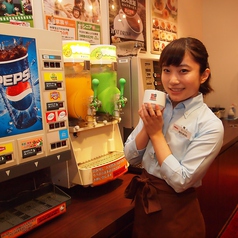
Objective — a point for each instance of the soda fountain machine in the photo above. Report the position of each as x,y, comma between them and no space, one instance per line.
34,126
95,104
33,108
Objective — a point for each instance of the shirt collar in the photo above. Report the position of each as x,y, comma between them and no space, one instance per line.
190,104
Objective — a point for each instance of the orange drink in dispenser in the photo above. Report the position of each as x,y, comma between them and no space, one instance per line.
77,77
103,67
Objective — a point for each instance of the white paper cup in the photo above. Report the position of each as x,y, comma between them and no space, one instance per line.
154,97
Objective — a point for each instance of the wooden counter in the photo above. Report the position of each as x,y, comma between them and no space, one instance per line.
230,134
100,211
218,195
104,212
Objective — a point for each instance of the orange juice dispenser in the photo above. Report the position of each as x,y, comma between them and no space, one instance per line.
97,147
78,79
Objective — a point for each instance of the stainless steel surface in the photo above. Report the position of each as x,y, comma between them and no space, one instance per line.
140,74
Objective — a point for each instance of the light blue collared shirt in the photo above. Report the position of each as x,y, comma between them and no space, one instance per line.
195,136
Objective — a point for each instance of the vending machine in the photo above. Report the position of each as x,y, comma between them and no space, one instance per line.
33,106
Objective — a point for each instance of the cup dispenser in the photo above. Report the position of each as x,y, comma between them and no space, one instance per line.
94,113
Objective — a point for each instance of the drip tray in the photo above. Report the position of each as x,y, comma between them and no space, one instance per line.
31,209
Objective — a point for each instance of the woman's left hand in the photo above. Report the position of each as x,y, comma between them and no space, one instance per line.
152,119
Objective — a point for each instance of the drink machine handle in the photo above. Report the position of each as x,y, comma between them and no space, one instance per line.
95,104
122,100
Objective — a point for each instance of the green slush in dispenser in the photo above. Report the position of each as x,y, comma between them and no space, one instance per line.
103,60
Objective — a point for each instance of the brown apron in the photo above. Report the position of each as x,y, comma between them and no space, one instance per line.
161,212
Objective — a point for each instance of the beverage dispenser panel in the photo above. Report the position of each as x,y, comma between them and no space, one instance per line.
33,108
151,73
54,100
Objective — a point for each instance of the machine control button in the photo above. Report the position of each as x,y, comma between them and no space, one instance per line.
59,85
2,159
51,85
64,143
8,157
57,65
52,106
29,152
52,126
52,64
46,64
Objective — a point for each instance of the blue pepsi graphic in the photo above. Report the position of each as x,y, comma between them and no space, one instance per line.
20,107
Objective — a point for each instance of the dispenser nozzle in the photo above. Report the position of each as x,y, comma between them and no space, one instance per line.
95,104
95,83
122,99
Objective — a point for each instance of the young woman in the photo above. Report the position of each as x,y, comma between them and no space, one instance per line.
176,146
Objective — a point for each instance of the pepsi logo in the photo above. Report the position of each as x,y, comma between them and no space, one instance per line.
20,96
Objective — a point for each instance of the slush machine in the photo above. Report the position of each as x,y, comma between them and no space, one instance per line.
94,104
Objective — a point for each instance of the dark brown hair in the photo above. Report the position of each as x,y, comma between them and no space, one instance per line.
174,52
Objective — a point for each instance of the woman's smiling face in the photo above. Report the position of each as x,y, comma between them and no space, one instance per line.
183,81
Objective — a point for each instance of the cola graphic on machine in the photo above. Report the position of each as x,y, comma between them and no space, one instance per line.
20,108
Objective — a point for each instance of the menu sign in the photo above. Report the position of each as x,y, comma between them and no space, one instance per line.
164,23
16,12
127,21
75,19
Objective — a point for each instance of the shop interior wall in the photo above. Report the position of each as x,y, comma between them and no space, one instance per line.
215,23
220,34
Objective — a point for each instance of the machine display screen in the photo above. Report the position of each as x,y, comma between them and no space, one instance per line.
20,103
